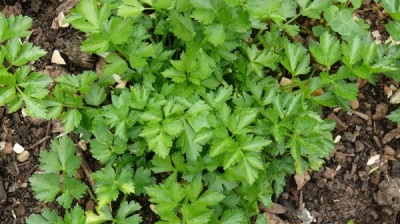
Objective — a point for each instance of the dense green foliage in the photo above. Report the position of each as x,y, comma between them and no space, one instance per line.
189,96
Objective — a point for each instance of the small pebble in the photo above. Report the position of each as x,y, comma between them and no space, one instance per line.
23,156
18,148
380,111
329,173
8,149
340,158
389,150
395,98
321,182
348,136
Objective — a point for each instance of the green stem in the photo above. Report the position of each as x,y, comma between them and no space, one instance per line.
292,19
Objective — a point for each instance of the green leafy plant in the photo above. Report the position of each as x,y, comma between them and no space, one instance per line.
58,178
19,86
187,109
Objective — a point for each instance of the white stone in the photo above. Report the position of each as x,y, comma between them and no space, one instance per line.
17,148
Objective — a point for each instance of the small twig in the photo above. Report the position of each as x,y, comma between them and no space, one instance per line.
361,115
47,134
39,142
85,167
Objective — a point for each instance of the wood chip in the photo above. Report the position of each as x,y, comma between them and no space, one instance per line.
57,59
3,194
340,125
361,115
395,133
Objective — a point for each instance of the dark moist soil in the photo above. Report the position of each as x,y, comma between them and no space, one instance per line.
344,188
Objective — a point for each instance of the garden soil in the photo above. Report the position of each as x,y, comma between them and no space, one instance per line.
360,180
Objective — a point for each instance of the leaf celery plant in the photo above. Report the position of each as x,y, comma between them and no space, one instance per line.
201,103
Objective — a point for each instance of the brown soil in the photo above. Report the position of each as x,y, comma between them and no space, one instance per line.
345,188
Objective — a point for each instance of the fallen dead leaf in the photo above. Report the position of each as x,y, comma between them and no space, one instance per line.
301,179
58,22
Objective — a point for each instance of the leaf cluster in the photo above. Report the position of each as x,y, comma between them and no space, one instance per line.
189,93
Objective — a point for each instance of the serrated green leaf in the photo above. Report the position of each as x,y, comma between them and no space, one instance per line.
87,16
109,183
34,107
46,186
393,27
297,60
61,157
167,196
210,198
118,30
193,214
71,119
75,216
219,146
27,53
47,216
253,144
277,10
216,34
327,51
96,44
142,179
352,51
72,188
96,95
342,21
232,216
346,90
190,147
130,9
313,9
6,95
205,16
124,214
392,7
103,216
394,116
183,26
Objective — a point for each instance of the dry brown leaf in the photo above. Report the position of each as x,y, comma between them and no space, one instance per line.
301,179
